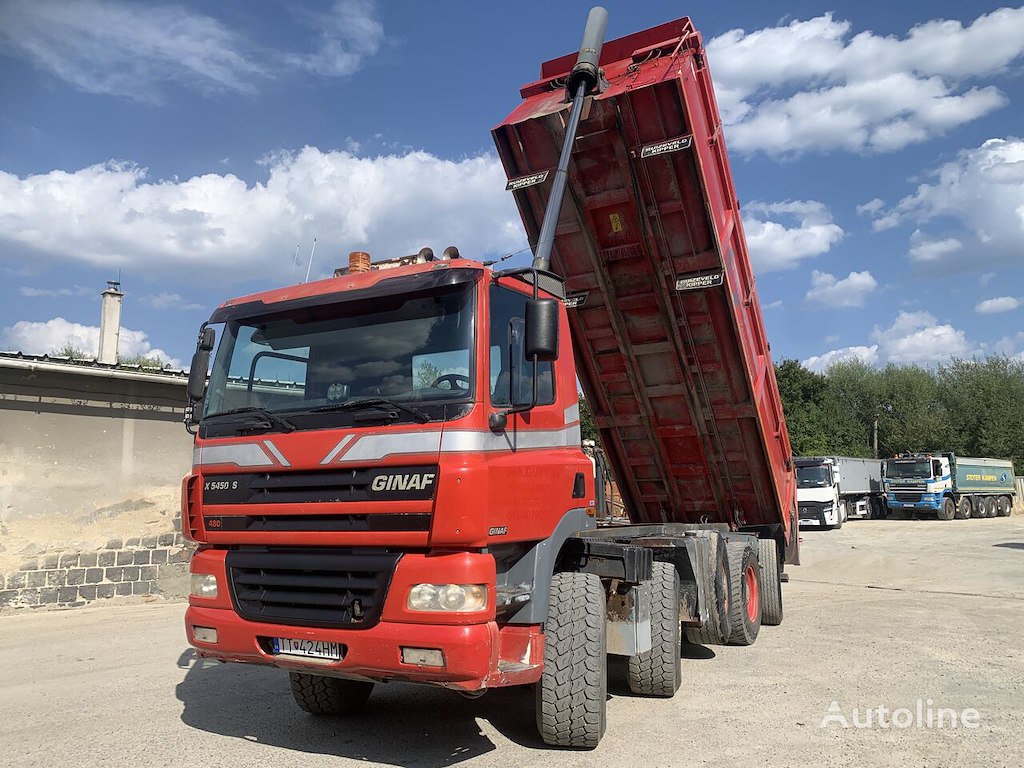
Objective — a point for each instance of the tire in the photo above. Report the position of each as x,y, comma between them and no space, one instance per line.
980,506
659,671
321,695
948,509
572,691
839,516
744,593
963,509
771,582
716,585
990,507
1004,506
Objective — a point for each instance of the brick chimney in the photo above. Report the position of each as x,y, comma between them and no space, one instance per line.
110,323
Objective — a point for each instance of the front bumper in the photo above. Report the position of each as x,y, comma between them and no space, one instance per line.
477,652
470,651
818,516
928,502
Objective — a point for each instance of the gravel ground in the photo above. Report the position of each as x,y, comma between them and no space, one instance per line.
882,614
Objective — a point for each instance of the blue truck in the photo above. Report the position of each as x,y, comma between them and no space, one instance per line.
951,486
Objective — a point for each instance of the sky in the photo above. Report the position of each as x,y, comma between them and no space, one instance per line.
195,150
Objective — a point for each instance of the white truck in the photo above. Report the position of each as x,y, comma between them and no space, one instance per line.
832,489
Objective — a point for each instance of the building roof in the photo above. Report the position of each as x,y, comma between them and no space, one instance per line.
59,364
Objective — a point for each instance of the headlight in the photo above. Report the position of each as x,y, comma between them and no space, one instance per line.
447,597
204,585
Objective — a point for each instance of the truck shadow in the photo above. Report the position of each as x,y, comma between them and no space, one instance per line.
1011,545
403,725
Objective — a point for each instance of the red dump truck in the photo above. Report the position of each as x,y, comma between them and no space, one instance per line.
388,483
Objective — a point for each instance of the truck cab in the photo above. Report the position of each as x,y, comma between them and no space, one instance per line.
384,449
817,493
917,481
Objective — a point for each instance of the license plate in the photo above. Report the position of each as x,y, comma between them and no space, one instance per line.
312,649
908,505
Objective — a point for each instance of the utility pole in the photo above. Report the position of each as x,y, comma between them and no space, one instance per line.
874,436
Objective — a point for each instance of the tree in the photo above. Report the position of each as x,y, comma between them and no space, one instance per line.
71,351
984,405
141,361
588,427
911,416
802,393
426,374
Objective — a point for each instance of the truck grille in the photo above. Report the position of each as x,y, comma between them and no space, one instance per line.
378,521
908,498
310,587
322,486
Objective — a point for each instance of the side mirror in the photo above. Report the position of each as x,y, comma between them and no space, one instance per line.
200,365
542,329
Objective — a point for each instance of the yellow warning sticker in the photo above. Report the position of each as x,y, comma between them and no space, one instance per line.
616,220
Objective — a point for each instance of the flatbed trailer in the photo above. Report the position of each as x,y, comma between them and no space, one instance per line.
396,490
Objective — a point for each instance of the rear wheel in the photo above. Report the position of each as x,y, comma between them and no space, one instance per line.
573,688
659,671
321,695
980,506
948,509
716,593
744,593
1003,506
771,582
963,509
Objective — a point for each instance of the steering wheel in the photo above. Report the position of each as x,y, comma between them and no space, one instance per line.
453,380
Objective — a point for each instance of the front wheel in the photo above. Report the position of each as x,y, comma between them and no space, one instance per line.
573,688
659,671
321,695
948,509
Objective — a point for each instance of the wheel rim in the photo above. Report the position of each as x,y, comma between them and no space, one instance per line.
751,592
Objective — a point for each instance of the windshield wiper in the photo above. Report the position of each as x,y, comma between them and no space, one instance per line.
272,419
372,402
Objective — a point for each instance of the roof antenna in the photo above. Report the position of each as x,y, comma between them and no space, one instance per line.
309,266
295,260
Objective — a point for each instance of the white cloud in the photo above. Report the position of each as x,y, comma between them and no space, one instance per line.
777,304
166,300
112,215
850,291
821,363
871,207
41,338
123,49
347,34
977,200
923,249
806,229
996,305
917,337
913,338
812,85
35,293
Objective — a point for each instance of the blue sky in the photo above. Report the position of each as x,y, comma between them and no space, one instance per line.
878,150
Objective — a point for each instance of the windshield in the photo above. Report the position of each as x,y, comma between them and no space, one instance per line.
819,476
908,469
404,348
